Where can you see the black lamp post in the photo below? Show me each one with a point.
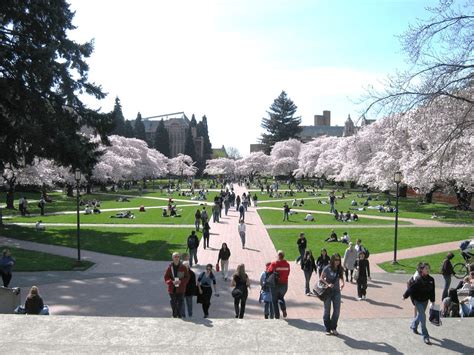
(77, 176)
(397, 178)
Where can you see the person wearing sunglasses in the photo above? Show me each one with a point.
(333, 277)
(205, 282)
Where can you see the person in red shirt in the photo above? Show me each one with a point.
(281, 268)
(176, 277)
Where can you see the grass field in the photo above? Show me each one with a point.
(141, 243)
(32, 261)
(377, 240)
(408, 207)
(408, 266)
(273, 217)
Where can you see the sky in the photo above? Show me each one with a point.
(229, 59)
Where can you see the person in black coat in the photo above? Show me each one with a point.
(191, 291)
(421, 290)
(301, 242)
(308, 265)
(322, 261)
(447, 271)
(363, 268)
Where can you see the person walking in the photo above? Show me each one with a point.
(447, 271)
(323, 261)
(422, 290)
(308, 266)
(333, 277)
(350, 257)
(215, 212)
(223, 257)
(193, 244)
(41, 205)
(241, 284)
(282, 268)
(301, 242)
(6, 265)
(205, 282)
(237, 203)
(176, 277)
(241, 210)
(204, 216)
(226, 204)
(266, 294)
(206, 234)
(255, 200)
(197, 219)
(245, 201)
(363, 269)
(242, 230)
(191, 291)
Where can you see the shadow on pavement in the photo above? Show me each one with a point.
(367, 345)
(258, 251)
(381, 282)
(452, 345)
(383, 304)
(303, 324)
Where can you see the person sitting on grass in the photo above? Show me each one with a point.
(332, 237)
(309, 218)
(174, 212)
(39, 226)
(88, 210)
(301, 203)
(345, 238)
(142, 209)
(355, 217)
(96, 210)
(126, 214)
(165, 213)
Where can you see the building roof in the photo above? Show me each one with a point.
(219, 153)
(151, 123)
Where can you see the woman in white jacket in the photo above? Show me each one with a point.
(350, 257)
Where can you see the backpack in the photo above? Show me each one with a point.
(464, 244)
(192, 243)
(271, 279)
(367, 253)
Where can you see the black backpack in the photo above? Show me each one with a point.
(192, 243)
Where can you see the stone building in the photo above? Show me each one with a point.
(177, 124)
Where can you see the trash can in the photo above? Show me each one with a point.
(10, 298)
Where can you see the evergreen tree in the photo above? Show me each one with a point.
(118, 119)
(42, 72)
(128, 130)
(162, 139)
(189, 148)
(281, 125)
(139, 128)
(202, 131)
(193, 122)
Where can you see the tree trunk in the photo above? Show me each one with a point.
(464, 199)
(69, 190)
(402, 192)
(89, 188)
(10, 199)
(429, 197)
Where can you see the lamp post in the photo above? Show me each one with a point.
(397, 178)
(77, 176)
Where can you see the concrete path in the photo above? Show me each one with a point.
(95, 335)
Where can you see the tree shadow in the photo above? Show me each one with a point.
(381, 347)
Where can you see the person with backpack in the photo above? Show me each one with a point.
(422, 290)
(308, 266)
(193, 244)
(363, 272)
(176, 277)
(204, 216)
(205, 282)
(241, 284)
(333, 277)
(266, 294)
(224, 255)
(447, 271)
(281, 271)
(359, 247)
(206, 234)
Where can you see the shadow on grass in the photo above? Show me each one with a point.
(122, 243)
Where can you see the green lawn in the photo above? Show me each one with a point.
(32, 261)
(377, 240)
(151, 216)
(141, 243)
(273, 217)
(409, 207)
(408, 266)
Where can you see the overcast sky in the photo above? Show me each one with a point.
(230, 59)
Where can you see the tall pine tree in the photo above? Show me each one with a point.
(281, 125)
(118, 119)
(128, 130)
(162, 139)
(189, 147)
(139, 128)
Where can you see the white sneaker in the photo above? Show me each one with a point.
(359, 298)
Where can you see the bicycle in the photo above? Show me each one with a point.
(461, 270)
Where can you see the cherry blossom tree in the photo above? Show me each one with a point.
(284, 157)
(182, 165)
(257, 163)
(220, 166)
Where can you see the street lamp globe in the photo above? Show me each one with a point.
(77, 175)
(397, 177)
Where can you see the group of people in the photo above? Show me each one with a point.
(345, 217)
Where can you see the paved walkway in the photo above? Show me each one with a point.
(120, 286)
(72, 335)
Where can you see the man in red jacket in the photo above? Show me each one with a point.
(282, 269)
(176, 277)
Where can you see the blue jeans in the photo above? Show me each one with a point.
(197, 222)
(330, 322)
(193, 255)
(268, 310)
(447, 283)
(188, 300)
(420, 318)
(278, 297)
(307, 277)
